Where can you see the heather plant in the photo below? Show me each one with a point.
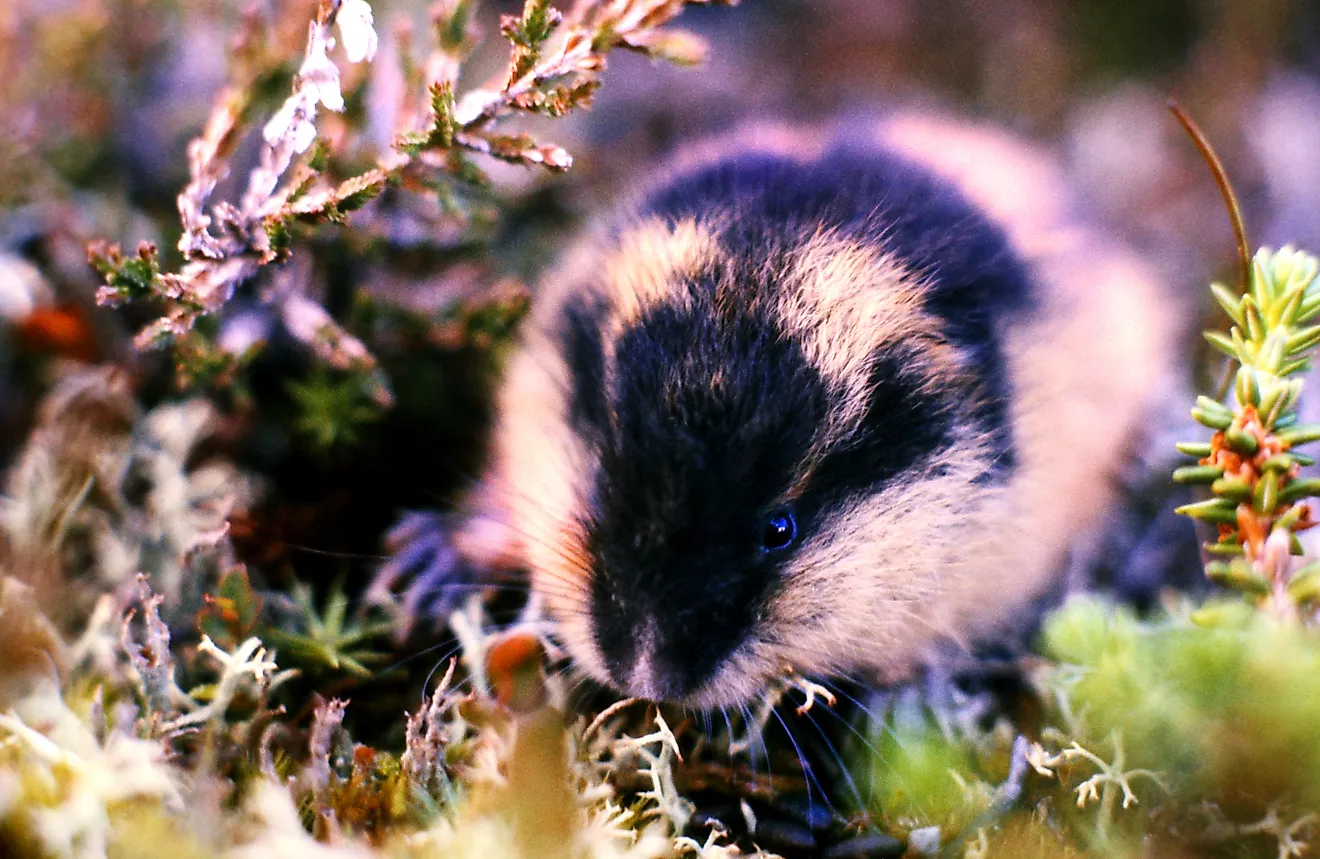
(306, 176)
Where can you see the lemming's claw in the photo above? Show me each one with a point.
(425, 575)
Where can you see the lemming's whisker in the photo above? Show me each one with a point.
(574, 594)
(728, 726)
(520, 587)
(564, 581)
(572, 590)
(425, 650)
(904, 608)
(576, 572)
(843, 767)
(568, 601)
(331, 553)
(577, 684)
(749, 725)
(560, 671)
(862, 738)
(880, 722)
(807, 771)
(430, 674)
(567, 590)
(579, 678)
(568, 612)
(452, 653)
(556, 676)
(837, 688)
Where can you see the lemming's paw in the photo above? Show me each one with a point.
(426, 576)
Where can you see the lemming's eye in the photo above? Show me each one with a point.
(779, 531)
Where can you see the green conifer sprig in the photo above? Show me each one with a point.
(1251, 464)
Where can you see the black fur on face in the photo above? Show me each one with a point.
(710, 416)
(701, 428)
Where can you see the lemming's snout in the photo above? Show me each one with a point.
(661, 653)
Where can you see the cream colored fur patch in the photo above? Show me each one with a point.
(649, 261)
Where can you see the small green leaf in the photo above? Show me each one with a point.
(528, 33)
(1279, 462)
(1241, 442)
(1300, 434)
(412, 142)
(1212, 420)
(1291, 517)
(1212, 413)
(132, 277)
(1255, 325)
(1231, 488)
(1270, 399)
(443, 124)
(1217, 511)
(1304, 586)
(1262, 284)
(452, 30)
(1238, 575)
(358, 191)
(1295, 365)
(1305, 487)
(1222, 342)
(1277, 265)
(1273, 352)
(1247, 387)
(277, 232)
(1212, 405)
(1194, 474)
(1223, 615)
(319, 155)
(1230, 301)
(230, 614)
(1291, 305)
(332, 409)
(1266, 494)
(1310, 307)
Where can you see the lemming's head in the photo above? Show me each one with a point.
(773, 395)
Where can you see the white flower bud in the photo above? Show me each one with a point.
(355, 28)
(304, 132)
(557, 157)
(472, 104)
(293, 122)
(320, 76)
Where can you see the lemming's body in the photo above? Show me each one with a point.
(819, 404)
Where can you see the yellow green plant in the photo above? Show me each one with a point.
(1251, 463)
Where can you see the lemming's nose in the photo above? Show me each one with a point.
(654, 672)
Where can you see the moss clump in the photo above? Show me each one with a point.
(1153, 734)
